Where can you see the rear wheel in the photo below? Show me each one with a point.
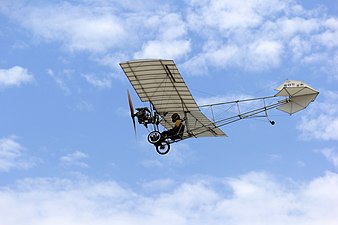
(162, 147)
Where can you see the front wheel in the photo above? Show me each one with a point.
(163, 147)
(154, 137)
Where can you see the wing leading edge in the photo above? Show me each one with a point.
(159, 82)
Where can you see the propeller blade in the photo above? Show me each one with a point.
(131, 108)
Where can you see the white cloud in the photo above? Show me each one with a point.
(13, 156)
(159, 185)
(232, 23)
(74, 159)
(85, 106)
(99, 82)
(14, 76)
(170, 37)
(331, 154)
(299, 48)
(164, 49)
(264, 54)
(290, 27)
(328, 38)
(324, 127)
(62, 80)
(230, 15)
(99, 26)
(213, 54)
(79, 27)
(251, 35)
(321, 120)
(113, 60)
(254, 56)
(260, 34)
(255, 198)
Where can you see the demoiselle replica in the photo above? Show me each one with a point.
(172, 105)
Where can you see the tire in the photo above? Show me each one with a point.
(154, 137)
(163, 147)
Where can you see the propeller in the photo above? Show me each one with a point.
(132, 114)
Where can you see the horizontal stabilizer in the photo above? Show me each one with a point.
(299, 96)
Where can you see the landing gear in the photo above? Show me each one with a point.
(162, 146)
(154, 137)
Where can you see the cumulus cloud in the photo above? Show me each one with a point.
(254, 198)
(321, 120)
(164, 49)
(265, 54)
(260, 34)
(170, 40)
(14, 76)
(234, 33)
(228, 15)
(78, 27)
(251, 35)
(13, 155)
(289, 27)
(100, 26)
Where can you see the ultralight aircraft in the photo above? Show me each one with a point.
(159, 82)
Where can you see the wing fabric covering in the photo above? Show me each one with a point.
(299, 93)
(160, 83)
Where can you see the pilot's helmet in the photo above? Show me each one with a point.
(175, 117)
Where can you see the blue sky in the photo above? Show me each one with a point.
(68, 154)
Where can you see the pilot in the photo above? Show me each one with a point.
(177, 130)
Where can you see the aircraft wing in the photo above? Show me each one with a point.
(160, 83)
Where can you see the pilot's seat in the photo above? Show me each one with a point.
(180, 133)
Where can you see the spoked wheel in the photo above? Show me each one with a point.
(162, 147)
(154, 137)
